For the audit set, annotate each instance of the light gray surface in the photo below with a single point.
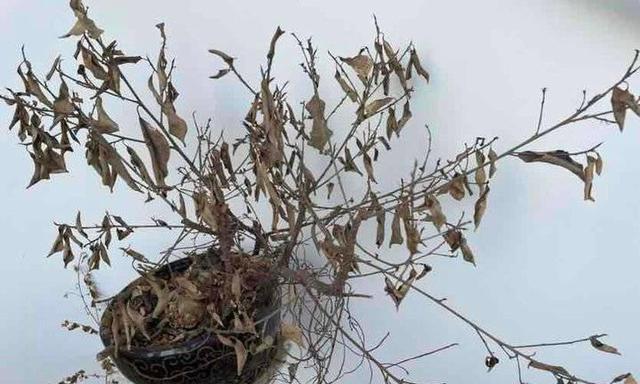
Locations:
(550, 266)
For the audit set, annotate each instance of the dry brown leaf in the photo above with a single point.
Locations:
(348, 90)
(599, 164)
(415, 61)
(435, 211)
(558, 157)
(104, 124)
(396, 235)
(625, 377)
(241, 355)
(177, 125)
(320, 132)
(392, 123)
(456, 187)
(83, 24)
(492, 159)
(467, 254)
(292, 332)
(621, 99)
(91, 62)
(588, 178)
(599, 345)
(362, 64)
(368, 166)
(236, 286)
(113, 158)
(376, 105)
(480, 208)
(480, 175)
(159, 151)
(549, 368)
(58, 244)
(406, 115)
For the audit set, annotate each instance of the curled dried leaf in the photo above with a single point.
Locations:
(558, 157)
(374, 106)
(480, 208)
(599, 345)
(362, 64)
(621, 99)
(348, 90)
(159, 151)
(320, 132)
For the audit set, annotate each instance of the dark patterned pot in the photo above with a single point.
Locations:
(201, 360)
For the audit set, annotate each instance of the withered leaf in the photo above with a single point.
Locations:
(599, 345)
(467, 254)
(480, 175)
(456, 187)
(220, 73)
(549, 368)
(79, 226)
(226, 58)
(58, 244)
(376, 105)
(135, 255)
(241, 355)
(392, 123)
(104, 124)
(406, 116)
(558, 157)
(480, 207)
(396, 235)
(415, 61)
(83, 24)
(113, 158)
(67, 254)
(54, 67)
(177, 125)
(362, 64)
(137, 162)
(32, 87)
(621, 99)
(159, 151)
(380, 219)
(91, 62)
(348, 90)
(623, 376)
(492, 159)
(435, 211)
(599, 164)
(292, 332)
(320, 132)
(349, 164)
(368, 166)
(588, 178)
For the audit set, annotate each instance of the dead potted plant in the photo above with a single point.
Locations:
(225, 301)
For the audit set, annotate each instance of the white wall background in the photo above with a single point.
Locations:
(550, 266)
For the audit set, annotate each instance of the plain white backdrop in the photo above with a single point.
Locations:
(551, 267)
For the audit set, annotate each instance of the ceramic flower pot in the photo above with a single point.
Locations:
(199, 360)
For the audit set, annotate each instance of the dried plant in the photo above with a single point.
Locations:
(264, 200)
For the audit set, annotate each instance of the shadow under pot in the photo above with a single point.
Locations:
(199, 360)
